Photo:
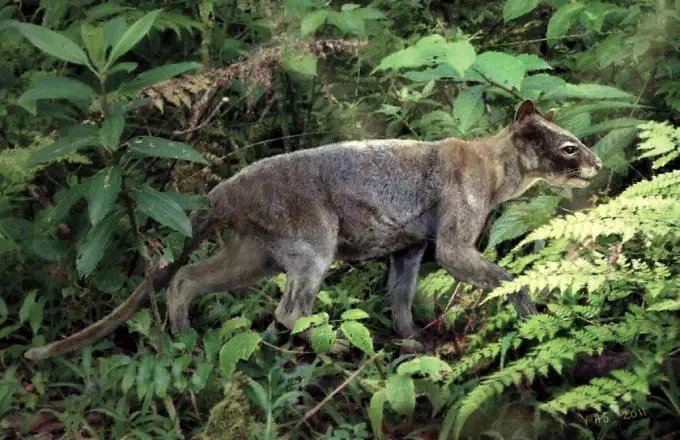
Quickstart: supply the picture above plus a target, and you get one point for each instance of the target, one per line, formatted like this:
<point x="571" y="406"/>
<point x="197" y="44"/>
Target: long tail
<point x="202" y="223"/>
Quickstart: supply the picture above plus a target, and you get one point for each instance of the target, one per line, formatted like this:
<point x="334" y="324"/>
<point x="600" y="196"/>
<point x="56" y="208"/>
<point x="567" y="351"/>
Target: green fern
<point x="661" y="140"/>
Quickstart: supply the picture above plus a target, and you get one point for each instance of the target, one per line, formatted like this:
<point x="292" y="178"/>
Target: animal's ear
<point x="525" y="110"/>
<point x="549" y="115"/>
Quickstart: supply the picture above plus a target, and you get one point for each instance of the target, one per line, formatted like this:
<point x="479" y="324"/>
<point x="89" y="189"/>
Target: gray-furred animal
<point x="297" y="212"/>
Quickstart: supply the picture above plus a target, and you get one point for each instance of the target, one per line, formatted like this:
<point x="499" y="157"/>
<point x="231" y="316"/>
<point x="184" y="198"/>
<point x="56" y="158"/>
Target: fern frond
<point x="666" y="184"/>
<point x="661" y="140"/>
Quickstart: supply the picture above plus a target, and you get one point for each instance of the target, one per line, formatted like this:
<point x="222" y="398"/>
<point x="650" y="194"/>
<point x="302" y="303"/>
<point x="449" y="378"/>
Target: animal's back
<point x="382" y="192"/>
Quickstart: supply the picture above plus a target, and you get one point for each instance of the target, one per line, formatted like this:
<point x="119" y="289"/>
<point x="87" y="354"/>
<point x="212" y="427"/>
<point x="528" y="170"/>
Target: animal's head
<point x="549" y="152"/>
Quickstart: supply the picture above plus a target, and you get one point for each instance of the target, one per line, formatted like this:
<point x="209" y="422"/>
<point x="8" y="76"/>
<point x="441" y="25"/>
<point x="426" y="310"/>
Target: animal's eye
<point x="569" y="148"/>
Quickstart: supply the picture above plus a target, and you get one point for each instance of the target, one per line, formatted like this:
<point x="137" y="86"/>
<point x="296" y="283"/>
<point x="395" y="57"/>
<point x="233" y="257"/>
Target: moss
<point x="229" y="419"/>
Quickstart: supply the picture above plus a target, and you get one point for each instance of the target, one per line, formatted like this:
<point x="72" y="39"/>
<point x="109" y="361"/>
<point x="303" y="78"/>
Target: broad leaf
<point x="103" y="192"/>
<point x="53" y="43"/>
<point x="401" y="394"/>
<point x="56" y="87"/>
<point x="313" y="21"/>
<point x="92" y="248"/>
<point x="239" y="347"/>
<point x="469" y="106"/>
<point x="500" y="68"/>
<point x="302" y="63"/>
<point x="460" y="55"/>
<point x="425" y="52"/>
<point x="189" y="202"/>
<point x="375" y="413"/>
<point x="354" y="314"/>
<point x="358" y="335"/>
<point x="562" y="20"/>
<point x="60" y="148"/>
<point x="162" y="208"/>
<point x="157" y="75"/>
<point x="159" y="147"/>
<point x="516" y="8"/>
<point x="533" y="62"/>
<point x="589" y="91"/>
<point x="112" y="129"/>
<point x="611" y="149"/>
<point x="132" y="36"/>
<point x="429" y="366"/>
<point x="304" y="322"/>
<point x="322" y="338"/>
<point x="95" y="43"/>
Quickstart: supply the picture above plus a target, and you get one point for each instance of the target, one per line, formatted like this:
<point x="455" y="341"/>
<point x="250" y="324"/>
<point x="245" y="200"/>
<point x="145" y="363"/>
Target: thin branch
<point x="339" y="388"/>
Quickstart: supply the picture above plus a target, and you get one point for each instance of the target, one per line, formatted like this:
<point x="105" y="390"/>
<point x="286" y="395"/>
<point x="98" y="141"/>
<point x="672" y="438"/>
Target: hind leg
<point x="401" y="285"/>
<point x="306" y="265"/>
<point x="240" y="263"/>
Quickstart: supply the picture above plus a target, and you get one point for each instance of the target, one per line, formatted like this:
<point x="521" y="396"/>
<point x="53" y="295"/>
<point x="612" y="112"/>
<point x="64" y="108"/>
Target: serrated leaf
<point x="500" y="68"/>
<point x="232" y="324"/>
<point x="533" y="62"/>
<point x="358" y="335"/>
<point x="460" y="55"/>
<point x="92" y="248"/>
<point x="160" y="147"/>
<point x="104" y="188"/>
<point x="354" y="314"/>
<point x="429" y="366"/>
<point x="162" y="208"/>
<point x="132" y="35"/>
<point x="313" y="21"/>
<point x="516" y="8"/>
<point x="375" y="413"/>
<point x="156" y="75"/>
<point x="52" y="43"/>
<point x="322" y="338"/>
<point x="562" y="20"/>
<point x="240" y="347"/>
<point x="302" y="63"/>
<point x="304" y="322"/>
<point x="401" y="394"/>
<point x="111" y="131"/>
<point x="469" y="106"/>
<point x="424" y="52"/>
<point x="56" y="87"/>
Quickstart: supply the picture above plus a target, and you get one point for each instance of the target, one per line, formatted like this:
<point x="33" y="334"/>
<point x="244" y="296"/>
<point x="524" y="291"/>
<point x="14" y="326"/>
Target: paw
<point x="524" y="306"/>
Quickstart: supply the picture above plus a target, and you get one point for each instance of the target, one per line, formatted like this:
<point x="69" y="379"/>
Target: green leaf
<point x="431" y="367"/>
<point x="129" y="378"/>
<point x="611" y="149"/>
<point x="589" y="91"/>
<point x="401" y="394"/>
<point x="95" y="43"/>
<point x="304" y="322"/>
<point x="60" y="148"/>
<point x="132" y="35"/>
<point x="519" y="218"/>
<point x="358" y="335"/>
<point x="533" y="62"/>
<point x="425" y="52"/>
<point x="56" y="87"/>
<point x="665" y="305"/>
<point x="159" y="147"/>
<point x="609" y="125"/>
<point x="92" y="248"/>
<point x="103" y="192"/>
<point x="460" y="55"/>
<point x="162" y="208"/>
<point x="322" y="338"/>
<point x="500" y="68"/>
<point x="302" y="63"/>
<point x="577" y="123"/>
<point x="52" y="43"/>
<point x="232" y="324"/>
<point x="542" y="82"/>
<point x="4" y="312"/>
<point x="562" y="20"/>
<point x="112" y="129"/>
<point x="156" y="75"/>
<point x="26" y="306"/>
<point x="354" y="314"/>
<point x="239" y="347"/>
<point x="161" y="380"/>
<point x="469" y="106"/>
<point x="516" y="8"/>
<point x="375" y="413"/>
<point x="189" y="202"/>
<point x="313" y="21"/>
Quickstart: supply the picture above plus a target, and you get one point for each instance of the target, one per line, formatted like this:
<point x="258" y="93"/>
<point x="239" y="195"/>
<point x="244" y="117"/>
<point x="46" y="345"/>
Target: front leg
<point x="456" y="252"/>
